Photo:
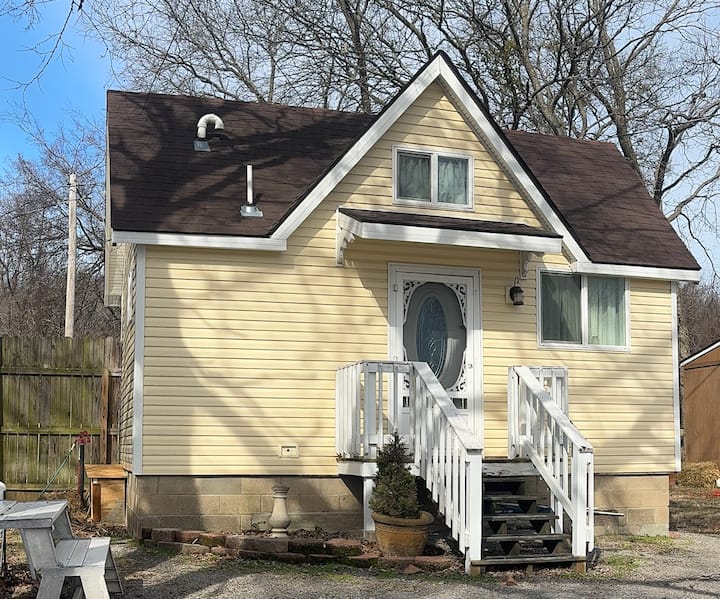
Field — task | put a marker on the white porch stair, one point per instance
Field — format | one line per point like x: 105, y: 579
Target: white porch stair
x: 485, y: 507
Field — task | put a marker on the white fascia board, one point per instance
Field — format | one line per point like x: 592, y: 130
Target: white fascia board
x: 438, y: 69
x: 502, y: 152
x: 221, y: 242
x: 700, y: 354
x: 407, y: 233
x: 636, y: 272
x: 361, y: 147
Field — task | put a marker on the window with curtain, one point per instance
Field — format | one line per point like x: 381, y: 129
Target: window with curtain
x: 413, y: 176
x: 583, y: 310
x: 432, y: 177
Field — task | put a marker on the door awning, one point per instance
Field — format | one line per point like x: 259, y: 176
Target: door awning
x: 422, y: 228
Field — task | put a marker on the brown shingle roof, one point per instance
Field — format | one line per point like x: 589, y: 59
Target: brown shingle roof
x: 603, y: 201
x: 158, y: 183
x: 444, y: 222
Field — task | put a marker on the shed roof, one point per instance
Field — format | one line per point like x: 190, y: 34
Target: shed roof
x: 696, y: 358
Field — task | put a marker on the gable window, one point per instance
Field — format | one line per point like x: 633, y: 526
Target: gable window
x: 582, y: 310
x: 432, y: 177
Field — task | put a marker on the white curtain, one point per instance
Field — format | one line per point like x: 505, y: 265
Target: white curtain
x: 413, y: 176
x: 452, y: 180
x: 561, y: 314
x: 606, y: 311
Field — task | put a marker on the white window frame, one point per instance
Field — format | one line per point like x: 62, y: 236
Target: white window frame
x: 434, y: 154
x: 584, y: 316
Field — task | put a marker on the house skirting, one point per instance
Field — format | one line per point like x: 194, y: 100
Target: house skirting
x: 637, y: 504
x: 237, y: 503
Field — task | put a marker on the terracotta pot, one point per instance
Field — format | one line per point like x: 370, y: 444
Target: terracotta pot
x: 402, y: 537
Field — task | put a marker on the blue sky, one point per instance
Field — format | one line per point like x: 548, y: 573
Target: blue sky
x: 74, y: 82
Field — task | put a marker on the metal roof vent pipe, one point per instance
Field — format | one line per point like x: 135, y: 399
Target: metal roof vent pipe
x: 202, y: 143
x: 250, y: 209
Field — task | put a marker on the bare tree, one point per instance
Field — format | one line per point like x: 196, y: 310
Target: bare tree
x: 644, y: 74
x: 34, y: 232
x: 699, y: 316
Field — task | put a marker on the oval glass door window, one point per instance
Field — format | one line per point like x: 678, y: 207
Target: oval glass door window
x: 434, y: 331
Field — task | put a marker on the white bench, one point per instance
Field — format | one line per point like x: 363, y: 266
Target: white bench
x: 88, y: 559
x: 55, y: 554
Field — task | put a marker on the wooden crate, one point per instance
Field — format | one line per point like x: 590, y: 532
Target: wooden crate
x: 107, y: 492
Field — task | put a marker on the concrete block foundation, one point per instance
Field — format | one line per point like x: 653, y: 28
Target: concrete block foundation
x: 234, y: 504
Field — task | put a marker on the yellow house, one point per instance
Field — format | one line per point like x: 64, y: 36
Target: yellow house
x: 297, y: 283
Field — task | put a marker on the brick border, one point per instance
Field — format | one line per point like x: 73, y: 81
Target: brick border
x: 293, y: 550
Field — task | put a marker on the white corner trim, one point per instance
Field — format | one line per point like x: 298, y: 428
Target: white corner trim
x: 228, y: 242
x: 139, y: 364
x: 676, y: 375
x: 636, y: 272
x: 412, y: 234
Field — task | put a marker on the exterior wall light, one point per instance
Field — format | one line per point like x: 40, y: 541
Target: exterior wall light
x: 517, y: 295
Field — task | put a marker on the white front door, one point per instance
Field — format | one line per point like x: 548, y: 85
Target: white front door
x: 435, y: 318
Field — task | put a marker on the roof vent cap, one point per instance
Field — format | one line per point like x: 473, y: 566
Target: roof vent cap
x: 202, y: 143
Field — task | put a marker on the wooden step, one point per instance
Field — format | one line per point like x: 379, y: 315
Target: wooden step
x: 479, y: 566
x: 510, y: 497
x: 503, y: 468
x: 526, y: 504
x: 528, y: 544
x: 553, y: 536
x: 498, y: 523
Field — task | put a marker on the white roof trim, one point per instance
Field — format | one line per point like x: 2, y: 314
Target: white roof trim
x: 700, y: 354
x: 502, y: 152
x: 226, y: 242
x: 480, y: 239
x: 437, y: 69
x: 636, y: 272
x: 359, y: 149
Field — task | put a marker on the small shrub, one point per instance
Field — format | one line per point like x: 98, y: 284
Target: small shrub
x: 395, y: 491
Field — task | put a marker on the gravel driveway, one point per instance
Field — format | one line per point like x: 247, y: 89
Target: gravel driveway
x: 686, y: 566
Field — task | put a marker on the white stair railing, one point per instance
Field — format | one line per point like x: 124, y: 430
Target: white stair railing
x: 538, y: 429
x: 377, y: 398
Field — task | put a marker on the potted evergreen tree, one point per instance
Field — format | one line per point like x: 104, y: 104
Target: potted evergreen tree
x: 401, y: 528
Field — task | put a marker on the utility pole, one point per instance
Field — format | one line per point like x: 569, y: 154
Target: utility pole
x: 72, y: 245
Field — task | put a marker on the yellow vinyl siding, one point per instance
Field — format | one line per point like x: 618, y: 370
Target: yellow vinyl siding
x: 621, y: 400
x: 238, y: 379
x: 241, y: 347
x: 240, y: 357
x: 434, y: 122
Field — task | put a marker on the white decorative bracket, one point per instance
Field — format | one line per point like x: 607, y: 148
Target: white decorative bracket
x: 525, y: 258
x: 343, y: 238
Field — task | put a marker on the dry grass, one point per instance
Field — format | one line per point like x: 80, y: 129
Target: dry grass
x: 700, y: 475
x: 694, y: 509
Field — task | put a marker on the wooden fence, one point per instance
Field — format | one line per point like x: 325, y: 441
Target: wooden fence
x: 52, y: 389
